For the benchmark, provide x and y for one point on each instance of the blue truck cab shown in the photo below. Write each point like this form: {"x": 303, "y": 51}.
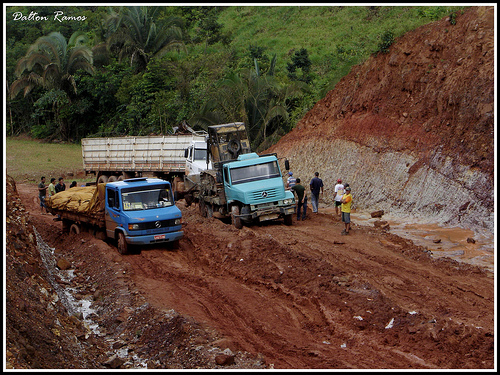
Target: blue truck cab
{"x": 141, "y": 211}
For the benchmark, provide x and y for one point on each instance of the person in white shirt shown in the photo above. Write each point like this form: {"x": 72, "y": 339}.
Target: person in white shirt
{"x": 339, "y": 192}
{"x": 291, "y": 181}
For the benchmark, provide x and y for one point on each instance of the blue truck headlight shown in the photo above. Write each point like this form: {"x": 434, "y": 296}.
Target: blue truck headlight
{"x": 178, "y": 221}
{"x": 133, "y": 227}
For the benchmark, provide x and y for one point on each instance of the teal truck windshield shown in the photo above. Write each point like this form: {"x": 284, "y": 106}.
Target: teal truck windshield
{"x": 153, "y": 197}
{"x": 254, "y": 172}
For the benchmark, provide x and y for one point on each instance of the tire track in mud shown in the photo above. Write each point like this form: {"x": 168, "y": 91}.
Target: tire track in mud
{"x": 405, "y": 274}
{"x": 305, "y": 297}
{"x": 233, "y": 307}
{"x": 259, "y": 325}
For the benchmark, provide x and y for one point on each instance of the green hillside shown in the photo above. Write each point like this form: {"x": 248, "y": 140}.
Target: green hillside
{"x": 335, "y": 37}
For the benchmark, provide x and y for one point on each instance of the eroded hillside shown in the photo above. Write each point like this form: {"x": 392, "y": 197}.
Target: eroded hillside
{"x": 412, "y": 130}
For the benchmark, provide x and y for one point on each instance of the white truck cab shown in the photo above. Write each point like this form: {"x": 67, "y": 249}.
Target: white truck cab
{"x": 196, "y": 158}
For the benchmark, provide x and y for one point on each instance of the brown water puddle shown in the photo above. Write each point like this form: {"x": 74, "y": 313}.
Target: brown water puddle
{"x": 442, "y": 241}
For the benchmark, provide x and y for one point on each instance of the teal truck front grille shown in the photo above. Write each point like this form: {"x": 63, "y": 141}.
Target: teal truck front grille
{"x": 264, "y": 194}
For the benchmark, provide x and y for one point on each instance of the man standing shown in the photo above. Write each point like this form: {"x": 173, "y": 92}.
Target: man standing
{"x": 316, "y": 185}
{"x": 346, "y": 210}
{"x": 61, "y": 186}
{"x": 339, "y": 192}
{"x": 52, "y": 187}
{"x": 301, "y": 199}
{"x": 291, "y": 181}
{"x": 42, "y": 192}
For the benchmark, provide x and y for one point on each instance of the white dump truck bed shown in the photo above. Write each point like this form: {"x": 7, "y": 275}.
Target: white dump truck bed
{"x": 140, "y": 154}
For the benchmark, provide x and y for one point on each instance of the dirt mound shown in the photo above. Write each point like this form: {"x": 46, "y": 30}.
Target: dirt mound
{"x": 412, "y": 130}
{"x": 435, "y": 88}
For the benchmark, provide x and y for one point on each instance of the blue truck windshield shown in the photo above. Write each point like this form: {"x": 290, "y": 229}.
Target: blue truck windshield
{"x": 254, "y": 172}
{"x": 154, "y": 197}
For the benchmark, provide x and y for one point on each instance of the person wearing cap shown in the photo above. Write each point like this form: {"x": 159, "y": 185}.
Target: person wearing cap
{"x": 346, "y": 210}
{"x": 339, "y": 192}
{"x": 291, "y": 181}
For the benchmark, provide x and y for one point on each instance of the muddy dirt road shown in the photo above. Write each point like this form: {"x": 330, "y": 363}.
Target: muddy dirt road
{"x": 305, "y": 297}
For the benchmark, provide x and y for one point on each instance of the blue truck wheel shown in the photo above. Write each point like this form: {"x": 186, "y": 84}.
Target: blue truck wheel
{"x": 122, "y": 244}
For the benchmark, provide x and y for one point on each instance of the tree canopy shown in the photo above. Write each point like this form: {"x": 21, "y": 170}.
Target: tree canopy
{"x": 131, "y": 70}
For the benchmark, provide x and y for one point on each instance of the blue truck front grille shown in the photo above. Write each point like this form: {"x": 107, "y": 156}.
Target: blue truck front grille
{"x": 156, "y": 226}
{"x": 264, "y": 194}
{"x": 159, "y": 224}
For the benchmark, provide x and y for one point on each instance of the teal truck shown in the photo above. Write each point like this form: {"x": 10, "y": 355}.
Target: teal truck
{"x": 242, "y": 185}
{"x": 132, "y": 212}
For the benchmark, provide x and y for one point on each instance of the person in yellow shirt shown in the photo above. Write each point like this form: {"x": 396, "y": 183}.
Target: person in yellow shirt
{"x": 345, "y": 208}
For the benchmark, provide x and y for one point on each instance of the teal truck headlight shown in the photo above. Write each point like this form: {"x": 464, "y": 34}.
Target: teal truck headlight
{"x": 288, "y": 201}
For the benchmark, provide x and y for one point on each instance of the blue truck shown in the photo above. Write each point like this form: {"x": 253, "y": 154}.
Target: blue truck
{"x": 242, "y": 185}
{"x": 132, "y": 212}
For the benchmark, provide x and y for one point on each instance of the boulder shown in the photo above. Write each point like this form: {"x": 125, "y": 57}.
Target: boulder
{"x": 378, "y": 213}
{"x": 224, "y": 359}
{"x": 63, "y": 264}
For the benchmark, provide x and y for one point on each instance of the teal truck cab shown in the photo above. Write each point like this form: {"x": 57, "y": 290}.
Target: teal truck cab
{"x": 242, "y": 185}
{"x": 133, "y": 212}
{"x": 254, "y": 186}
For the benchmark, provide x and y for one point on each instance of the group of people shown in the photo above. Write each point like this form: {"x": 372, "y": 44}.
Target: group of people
{"x": 343, "y": 198}
{"x": 52, "y": 189}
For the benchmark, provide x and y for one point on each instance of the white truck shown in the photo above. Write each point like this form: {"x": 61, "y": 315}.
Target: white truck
{"x": 169, "y": 157}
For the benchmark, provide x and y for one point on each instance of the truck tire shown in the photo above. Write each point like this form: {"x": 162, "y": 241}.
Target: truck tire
{"x": 102, "y": 179}
{"x": 203, "y": 208}
{"x": 235, "y": 212}
{"x": 120, "y": 178}
{"x": 288, "y": 219}
{"x": 66, "y": 224}
{"x": 112, "y": 179}
{"x": 74, "y": 229}
{"x": 234, "y": 146}
{"x": 122, "y": 244}
{"x": 210, "y": 210}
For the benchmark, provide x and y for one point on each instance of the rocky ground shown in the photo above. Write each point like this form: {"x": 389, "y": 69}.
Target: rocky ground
{"x": 263, "y": 297}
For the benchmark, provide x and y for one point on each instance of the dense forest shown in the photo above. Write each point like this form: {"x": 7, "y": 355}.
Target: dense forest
{"x": 81, "y": 71}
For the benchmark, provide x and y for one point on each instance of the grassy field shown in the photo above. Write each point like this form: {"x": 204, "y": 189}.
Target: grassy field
{"x": 27, "y": 160}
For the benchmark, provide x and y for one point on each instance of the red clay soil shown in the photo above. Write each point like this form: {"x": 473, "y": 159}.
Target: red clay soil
{"x": 283, "y": 297}
{"x": 291, "y": 297}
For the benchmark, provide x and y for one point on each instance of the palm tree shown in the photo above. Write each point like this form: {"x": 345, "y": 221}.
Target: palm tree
{"x": 134, "y": 33}
{"x": 258, "y": 100}
{"x": 51, "y": 63}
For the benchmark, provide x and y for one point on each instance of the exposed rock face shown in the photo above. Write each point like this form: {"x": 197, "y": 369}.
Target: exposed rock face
{"x": 411, "y": 131}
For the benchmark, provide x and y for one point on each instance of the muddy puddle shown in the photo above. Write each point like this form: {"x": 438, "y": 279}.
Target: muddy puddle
{"x": 457, "y": 243}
